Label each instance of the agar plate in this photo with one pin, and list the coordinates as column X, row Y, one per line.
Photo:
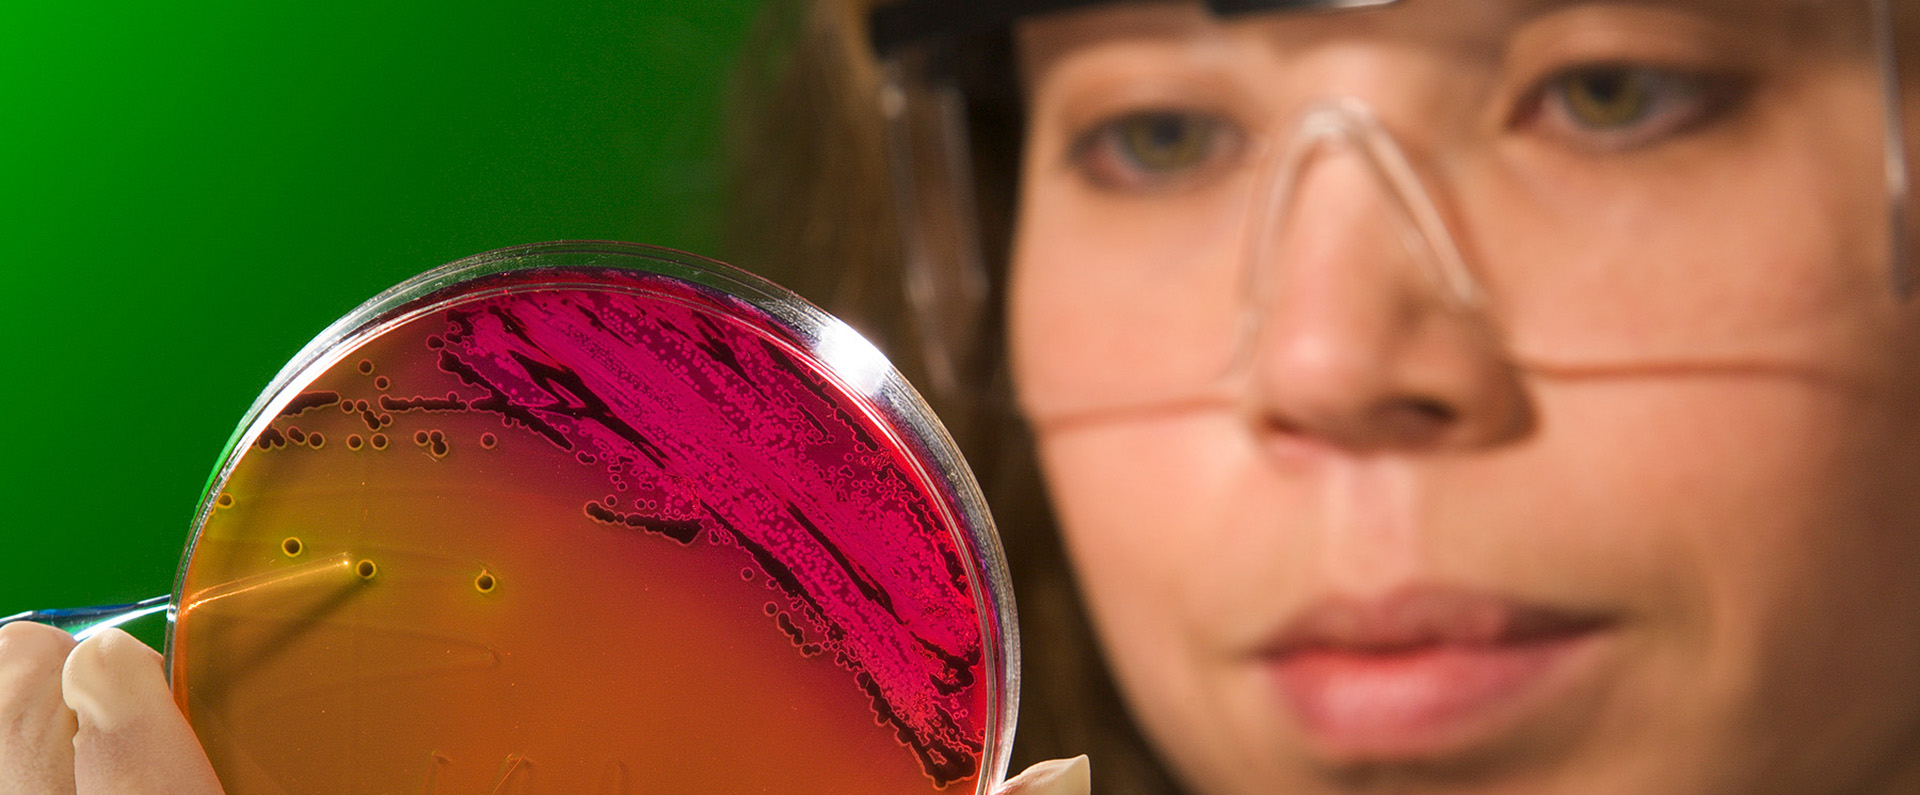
column 593, row 518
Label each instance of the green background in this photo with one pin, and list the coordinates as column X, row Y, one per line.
column 192, row 191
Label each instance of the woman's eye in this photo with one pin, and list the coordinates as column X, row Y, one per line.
column 1606, row 99
column 1143, row 151
column 1624, row 106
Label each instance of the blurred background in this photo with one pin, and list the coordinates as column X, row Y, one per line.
column 188, row 193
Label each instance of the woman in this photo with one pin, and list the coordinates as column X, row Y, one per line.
column 1434, row 397
column 1464, row 397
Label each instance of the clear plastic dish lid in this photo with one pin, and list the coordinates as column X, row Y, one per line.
column 594, row 518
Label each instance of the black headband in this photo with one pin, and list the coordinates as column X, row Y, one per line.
column 896, row 25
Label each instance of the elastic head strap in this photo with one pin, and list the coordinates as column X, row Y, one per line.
column 896, row 25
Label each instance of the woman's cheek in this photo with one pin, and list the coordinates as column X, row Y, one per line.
column 1137, row 529
column 1802, row 525
column 1182, row 543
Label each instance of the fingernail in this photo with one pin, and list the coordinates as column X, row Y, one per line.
column 1053, row 777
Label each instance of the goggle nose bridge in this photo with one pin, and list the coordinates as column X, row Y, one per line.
column 1349, row 123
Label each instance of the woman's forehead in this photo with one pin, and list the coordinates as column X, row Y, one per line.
column 1467, row 23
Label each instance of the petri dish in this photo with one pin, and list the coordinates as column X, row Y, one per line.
column 594, row 518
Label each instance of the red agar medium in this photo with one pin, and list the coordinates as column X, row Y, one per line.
column 593, row 519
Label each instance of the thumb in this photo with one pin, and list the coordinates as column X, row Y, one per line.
column 132, row 739
column 1052, row 777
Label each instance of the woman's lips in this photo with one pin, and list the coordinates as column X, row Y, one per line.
column 1422, row 671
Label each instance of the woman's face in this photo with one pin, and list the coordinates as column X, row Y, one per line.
column 1634, row 509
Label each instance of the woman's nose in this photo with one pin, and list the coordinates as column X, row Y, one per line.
column 1364, row 339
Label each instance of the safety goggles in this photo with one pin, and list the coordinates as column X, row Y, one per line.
column 1598, row 186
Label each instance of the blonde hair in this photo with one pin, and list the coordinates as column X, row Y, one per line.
column 811, row 208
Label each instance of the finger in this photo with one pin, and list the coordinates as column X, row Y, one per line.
column 131, row 737
column 1053, row 777
column 36, row 728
